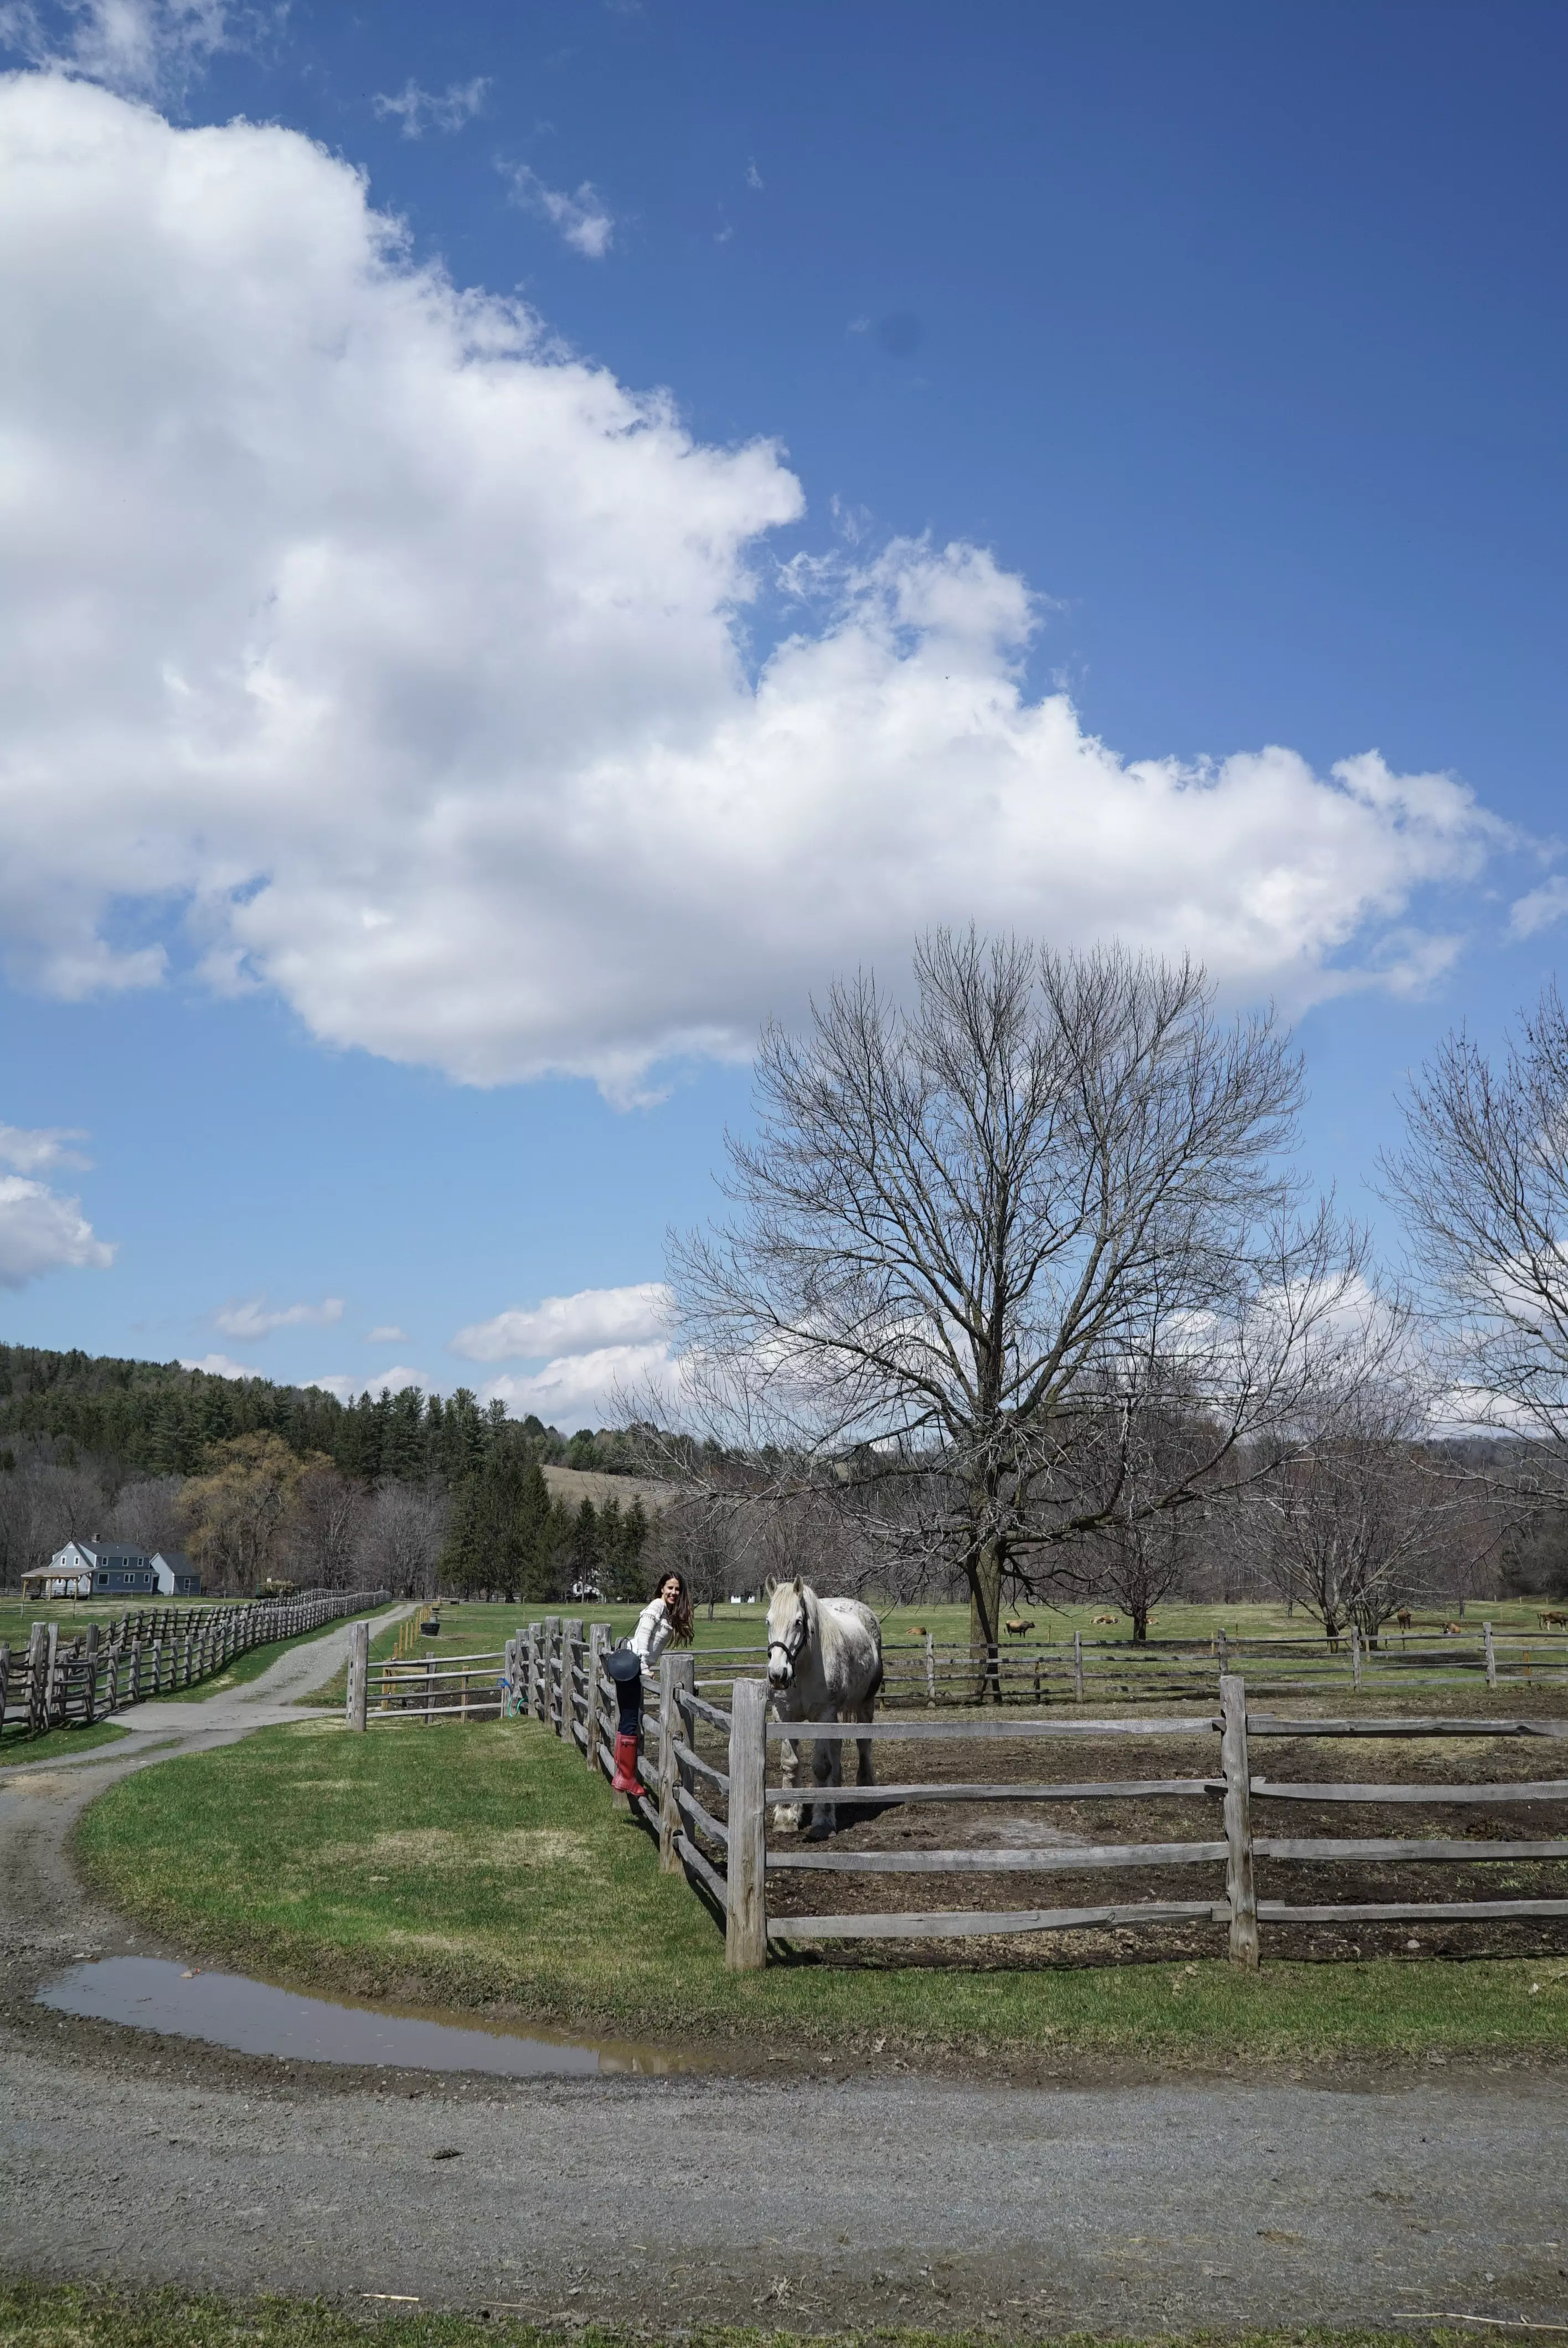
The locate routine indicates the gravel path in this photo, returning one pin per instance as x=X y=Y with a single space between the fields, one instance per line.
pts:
x=846 y=2200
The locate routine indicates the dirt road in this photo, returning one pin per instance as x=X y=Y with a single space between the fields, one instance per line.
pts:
x=853 y=2199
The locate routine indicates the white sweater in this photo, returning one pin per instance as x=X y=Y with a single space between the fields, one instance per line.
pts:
x=653 y=1633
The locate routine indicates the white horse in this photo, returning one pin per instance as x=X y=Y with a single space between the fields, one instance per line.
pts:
x=824 y=1663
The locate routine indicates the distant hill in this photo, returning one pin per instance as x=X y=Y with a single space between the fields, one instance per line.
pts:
x=575 y=1485
x=158 y=1418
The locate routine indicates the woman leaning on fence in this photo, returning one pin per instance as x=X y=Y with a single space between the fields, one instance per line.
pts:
x=664 y=1621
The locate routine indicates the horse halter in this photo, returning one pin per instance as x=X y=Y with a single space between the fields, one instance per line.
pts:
x=790 y=1654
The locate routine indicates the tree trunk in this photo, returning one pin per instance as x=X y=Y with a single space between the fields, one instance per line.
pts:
x=1140 y=1624
x=985 y=1621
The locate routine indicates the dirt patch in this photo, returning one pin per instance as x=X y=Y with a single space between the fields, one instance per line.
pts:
x=1060 y=1825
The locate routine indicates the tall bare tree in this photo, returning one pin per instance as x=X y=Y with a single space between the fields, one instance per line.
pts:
x=1482 y=1180
x=975 y=1236
x=400 y=1538
x=1364 y=1516
x=322 y=1532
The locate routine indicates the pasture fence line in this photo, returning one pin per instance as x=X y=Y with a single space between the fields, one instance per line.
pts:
x=709 y=1812
x=922 y=1672
x=134 y=1658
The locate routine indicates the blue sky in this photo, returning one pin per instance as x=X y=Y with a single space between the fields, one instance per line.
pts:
x=428 y=755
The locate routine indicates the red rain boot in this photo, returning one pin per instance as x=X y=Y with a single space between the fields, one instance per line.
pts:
x=625 y=1780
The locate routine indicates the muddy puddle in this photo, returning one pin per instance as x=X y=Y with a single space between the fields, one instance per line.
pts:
x=254 y=2017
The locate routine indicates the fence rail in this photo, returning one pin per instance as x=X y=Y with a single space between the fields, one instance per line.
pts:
x=65 y=1682
x=709 y=1809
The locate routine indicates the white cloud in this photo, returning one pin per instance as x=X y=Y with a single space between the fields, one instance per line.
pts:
x=218 y=1365
x=255 y=1318
x=584 y=1389
x=569 y=1325
x=1538 y=908
x=389 y=1335
x=754 y=176
x=146 y=47
x=40 y=1231
x=28 y=1150
x=418 y=110
x=349 y=1389
x=395 y=661
x=583 y=220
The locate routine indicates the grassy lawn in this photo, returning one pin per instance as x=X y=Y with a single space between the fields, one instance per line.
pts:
x=56 y=1744
x=491 y=1624
x=469 y=1627
x=74 y=1614
x=251 y=1664
x=483 y=1867
x=81 y=2315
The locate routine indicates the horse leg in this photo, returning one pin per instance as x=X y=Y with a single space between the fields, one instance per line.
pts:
x=789 y=1775
x=827 y=1768
x=867 y=1750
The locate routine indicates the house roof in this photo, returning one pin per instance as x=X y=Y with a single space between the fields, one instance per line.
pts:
x=111 y=1552
x=175 y=1559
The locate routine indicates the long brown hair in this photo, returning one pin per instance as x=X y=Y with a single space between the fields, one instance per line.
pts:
x=681 y=1625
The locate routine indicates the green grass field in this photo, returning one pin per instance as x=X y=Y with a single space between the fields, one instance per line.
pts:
x=86 y=2315
x=471 y=1628
x=16 y=1745
x=56 y=1744
x=74 y=1614
x=483 y=1867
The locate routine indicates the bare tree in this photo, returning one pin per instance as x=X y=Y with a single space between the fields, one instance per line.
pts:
x=1140 y=1556
x=1482 y=1181
x=43 y=1504
x=701 y=1539
x=969 y=1231
x=322 y=1535
x=148 y=1512
x=400 y=1538
x=1364 y=1518
x=238 y=1511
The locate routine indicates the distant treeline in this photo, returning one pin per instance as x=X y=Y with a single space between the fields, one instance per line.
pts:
x=158 y=1418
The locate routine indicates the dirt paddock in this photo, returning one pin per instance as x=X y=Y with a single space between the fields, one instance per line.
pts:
x=1042 y=1759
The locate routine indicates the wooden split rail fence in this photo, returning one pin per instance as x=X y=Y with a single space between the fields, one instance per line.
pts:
x=60 y=1682
x=1079 y=1668
x=708 y=1799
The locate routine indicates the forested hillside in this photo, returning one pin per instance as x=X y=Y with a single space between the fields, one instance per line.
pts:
x=158 y=1418
x=257 y=1479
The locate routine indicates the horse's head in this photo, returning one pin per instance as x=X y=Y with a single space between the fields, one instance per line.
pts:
x=789 y=1628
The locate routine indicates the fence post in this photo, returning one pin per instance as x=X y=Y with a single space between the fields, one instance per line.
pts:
x=1077 y=1667
x=677 y=1675
x=1234 y=1763
x=601 y=1638
x=90 y=1680
x=35 y=1641
x=573 y=1653
x=54 y=1690
x=745 y=1903
x=358 y=1707
x=5 y=1677
x=552 y=1660
x=930 y=1667
x=1490 y=1657
x=1356 y=1657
